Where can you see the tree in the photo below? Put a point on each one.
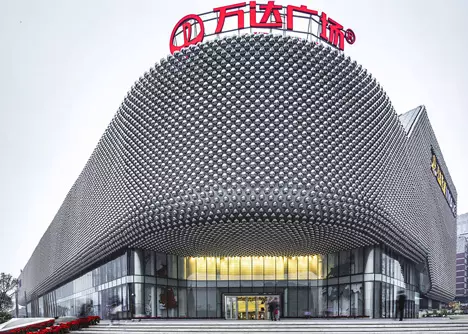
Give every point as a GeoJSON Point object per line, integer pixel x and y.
{"type": "Point", "coordinates": [7, 290]}
{"type": "Point", "coordinates": [4, 317]}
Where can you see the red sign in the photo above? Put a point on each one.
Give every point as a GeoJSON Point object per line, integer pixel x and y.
{"type": "Point", "coordinates": [272, 17]}
{"type": "Point", "coordinates": [187, 24]}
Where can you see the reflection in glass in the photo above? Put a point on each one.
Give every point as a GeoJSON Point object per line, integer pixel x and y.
{"type": "Point", "coordinates": [170, 286]}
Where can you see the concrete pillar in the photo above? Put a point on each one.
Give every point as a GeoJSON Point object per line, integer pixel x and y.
{"type": "Point", "coordinates": [369, 259]}
{"type": "Point", "coordinates": [139, 300]}
{"type": "Point", "coordinates": [139, 292]}
{"type": "Point", "coordinates": [368, 298]}
{"type": "Point", "coordinates": [138, 262]}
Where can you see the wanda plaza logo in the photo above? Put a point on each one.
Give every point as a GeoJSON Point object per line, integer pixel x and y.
{"type": "Point", "coordinates": [295, 20]}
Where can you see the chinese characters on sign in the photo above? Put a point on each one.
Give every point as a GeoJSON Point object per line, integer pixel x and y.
{"type": "Point", "coordinates": [192, 30]}
{"type": "Point", "coordinates": [439, 175]}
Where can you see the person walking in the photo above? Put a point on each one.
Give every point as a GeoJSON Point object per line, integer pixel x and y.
{"type": "Point", "coordinates": [271, 310]}
{"type": "Point", "coordinates": [401, 300]}
{"type": "Point", "coordinates": [277, 313]}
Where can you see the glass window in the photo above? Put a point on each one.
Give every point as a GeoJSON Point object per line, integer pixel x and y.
{"type": "Point", "coordinates": [171, 302]}
{"type": "Point", "coordinates": [192, 302]}
{"type": "Point", "coordinates": [234, 268]}
{"type": "Point", "coordinates": [281, 268]}
{"type": "Point", "coordinates": [345, 263]}
{"type": "Point", "coordinates": [182, 273]}
{"type": "Point", "coordinates": [163, 301]}
{"type": "Point", "coordinates": [172, 266]}
{"type": "Point", "coordinates": [292, 268]}
{"type": "Point", "coordinates": [201, 303]}
{"type": "Point", "coordinates": [161, 265]}
{"type": "Point", "coordinates": [302, 267]}
{"type": "Point", "coordinates": [201, 269]}
{"type": "Point", "coordinates": [124, 264]}
{"type": "Point", "coordinates": [257, 268]}
{"type": "Point", "coordinates": [222, 267]}
{"type": "Point", "coordinates": [313, 267]}
{"type": "Point", "coordinates": [118, 266]}
{"type": "Point", "coordinates": [356, 306]}
{"type": "Point", "coordinates": [292, 303]}
{"type": "Point", "coordinates": [357, 261]}
{"type": "Point", "coordinates": [269, 268]}
{"type": "Point", "coordinates": [149, 260]}
{"type": "Point", "coordinates": [332, 298]}
{"type": "Point", "coordinates": [314, 301]}
{"type": "Point", "coordinates": [150, 300]}
{"type": "Point", "coordinates": [345, 295]}
{"type": "Point", "coordinates": [103, 272]}
{"type": "Point", "coordinates": [377, 259]}
{"type": "Point", "coordinates": [384, 263]}
{"type": "Point", "coordinates": [246, 268]}
{"type": "Point", "coordinates": [191, 268]}
{"type": "Point", "coordinates": [211, 306]}
{"type": "Point", "coordinates": [332, 265]}
{"type": "Point", "coordinates": [182, 302]}
{"type": "Point", "coordinates": [211, 268]}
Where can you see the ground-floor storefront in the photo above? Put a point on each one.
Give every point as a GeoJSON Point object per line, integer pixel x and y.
{"type": "Point", "coordinates": [362, 282]}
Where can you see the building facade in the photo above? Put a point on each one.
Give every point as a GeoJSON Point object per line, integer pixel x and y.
{"type": "Point", "coordinates": [462, 259]}
{"type": "Point", "coordinates": [249, 169]}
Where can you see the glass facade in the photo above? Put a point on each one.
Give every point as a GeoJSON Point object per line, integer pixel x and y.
{"type": "Point", "coordinates": [362, 282]}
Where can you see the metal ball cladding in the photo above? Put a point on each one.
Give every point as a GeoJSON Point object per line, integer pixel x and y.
{"type": "Point", "coordinates": [249, 146]}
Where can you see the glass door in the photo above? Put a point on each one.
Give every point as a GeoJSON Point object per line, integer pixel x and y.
{"type": "Point", "coordinates": [252, 308]}
{"type": "Point", "coordinates": [248, 307]}
{"type": "Point", "coordinates": [231, 307]}
{"type": "Point", "coordinates": [242, 309]}
{"type": "Point", "coordinates": [261, 308]}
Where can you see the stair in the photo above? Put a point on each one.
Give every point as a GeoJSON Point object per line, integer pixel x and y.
{"type": "Point", "coordinates": [284, 326]}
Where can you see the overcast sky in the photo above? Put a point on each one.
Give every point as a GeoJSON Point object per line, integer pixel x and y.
{"type": "Point", "coordinates": [65, 67]}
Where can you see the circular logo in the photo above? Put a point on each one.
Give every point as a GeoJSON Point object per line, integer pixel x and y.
{"type": "Point", "coordinates": [187, 24]}
{"type": "Point", "coordinates": [350, 36]}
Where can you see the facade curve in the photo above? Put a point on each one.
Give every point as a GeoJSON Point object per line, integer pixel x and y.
{"type": "Point", "coordinates": [255, 145]}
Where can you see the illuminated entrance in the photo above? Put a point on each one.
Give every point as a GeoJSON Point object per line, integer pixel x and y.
{"type": "Point", "coordinates": [247, 307]}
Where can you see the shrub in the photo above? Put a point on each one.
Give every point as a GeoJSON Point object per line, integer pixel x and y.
{"type": "Point", "coordinates": [4, 317]}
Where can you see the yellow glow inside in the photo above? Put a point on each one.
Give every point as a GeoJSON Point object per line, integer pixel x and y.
{"type": "Point", "coordinates": [253, 268]}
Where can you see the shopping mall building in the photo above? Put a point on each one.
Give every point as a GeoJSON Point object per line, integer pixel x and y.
{"type": "Point", "coordinates": [250, 166]}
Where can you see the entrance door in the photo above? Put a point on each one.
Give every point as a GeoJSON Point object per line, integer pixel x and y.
{"type": "Point", "coordinates": [231, 308]}
{"type": "Point", "coordinates": [248, 307]}
{"type": "Point", "coordinates": [242, 308]}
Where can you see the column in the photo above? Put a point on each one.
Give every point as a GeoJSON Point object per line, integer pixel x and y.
{"type": "Point", "coordinates": [139, 291]}
{"type": "Point", "coordinates": [138, 262]}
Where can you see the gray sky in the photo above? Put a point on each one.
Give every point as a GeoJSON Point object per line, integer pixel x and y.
{"type": "Point", "coordinates": [66, 66]}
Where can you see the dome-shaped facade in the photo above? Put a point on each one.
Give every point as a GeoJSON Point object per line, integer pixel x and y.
{"type": "Point", "coordinates": [254, 146]}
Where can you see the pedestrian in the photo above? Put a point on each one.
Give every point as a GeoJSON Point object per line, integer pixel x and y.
{"type": "Point", "coordinates": [277, 313]}
{"type": "Point", "coordinates": [401, 300]}
{"type": "Point", "coordinates": [113, 313]}
{"type": "Point", "coordinates": [270, 310]}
